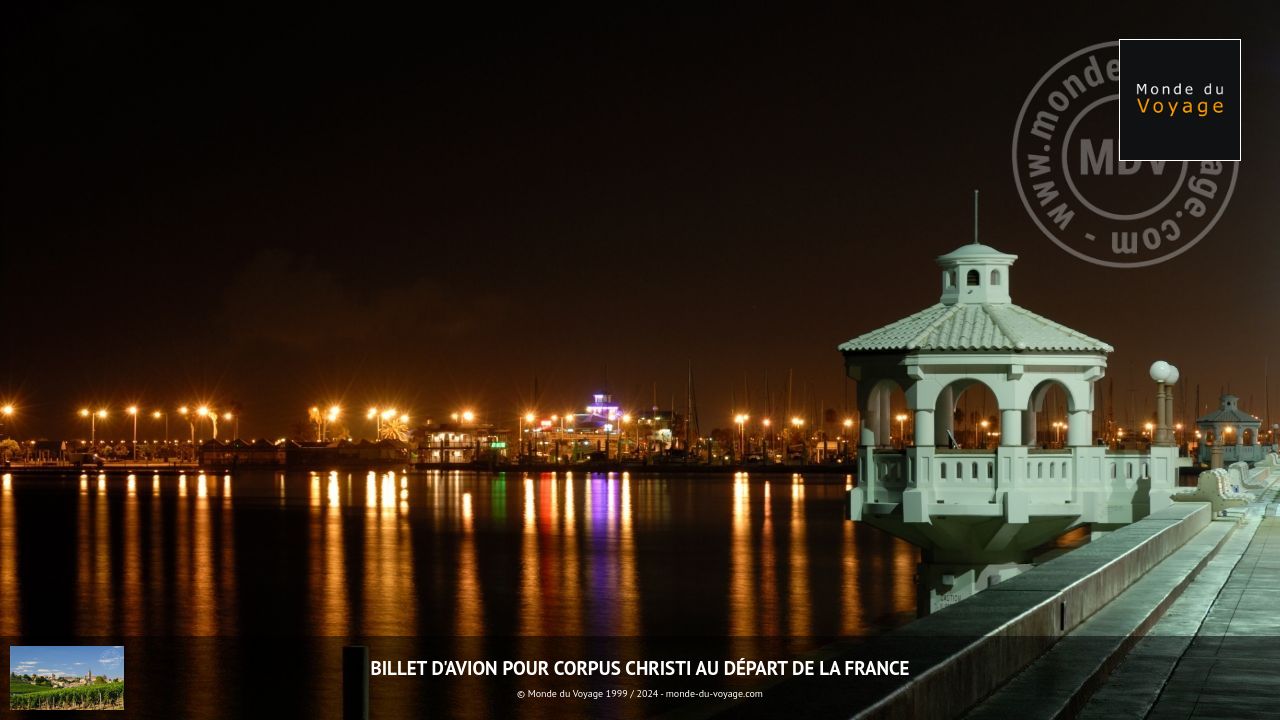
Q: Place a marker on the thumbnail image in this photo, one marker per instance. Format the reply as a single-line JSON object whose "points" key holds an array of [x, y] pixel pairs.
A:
{"points": [[66, 677]]}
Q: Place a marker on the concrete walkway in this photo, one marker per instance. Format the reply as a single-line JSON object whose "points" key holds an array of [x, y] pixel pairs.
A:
{"points": [[1216, 652]]}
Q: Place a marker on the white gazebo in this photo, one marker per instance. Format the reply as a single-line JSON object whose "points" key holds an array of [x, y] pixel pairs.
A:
{"points": [[977, 513], [1232, 432]]}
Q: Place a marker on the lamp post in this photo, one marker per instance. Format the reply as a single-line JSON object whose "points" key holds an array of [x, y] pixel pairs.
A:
{"points": [[204, 412], [186, 414], [7, 412], [902, 428], [768, 439], [1166, 376], [330, 417], [623, 421], [159, 414], [798, 423], [984, 425], [846, 434], [93, 422], [133, 452], [235, 423], [379, 416], [525, 420], [741, 420], [560, 434]]}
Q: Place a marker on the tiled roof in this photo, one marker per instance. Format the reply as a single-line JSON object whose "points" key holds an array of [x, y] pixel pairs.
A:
{"points": [[975, 327], [1227, 414]]}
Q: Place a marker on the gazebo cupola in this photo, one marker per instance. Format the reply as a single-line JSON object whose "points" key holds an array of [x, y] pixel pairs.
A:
{"points": [[977, 274]]}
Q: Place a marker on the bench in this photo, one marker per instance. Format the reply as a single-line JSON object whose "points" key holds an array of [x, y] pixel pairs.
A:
{"points": [[1218, 488]]}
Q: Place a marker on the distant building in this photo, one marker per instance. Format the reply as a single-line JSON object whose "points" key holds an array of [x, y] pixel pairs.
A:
{"points": [[461, 443], [1233, 430], [289, 452], [240, 452], [657, 430]]}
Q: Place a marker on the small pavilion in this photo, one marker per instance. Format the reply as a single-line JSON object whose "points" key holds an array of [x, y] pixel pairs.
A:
{"points": [[1233, 431]]}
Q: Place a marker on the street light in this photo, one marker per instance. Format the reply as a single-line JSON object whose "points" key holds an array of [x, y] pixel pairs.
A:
{"points": [[797, 422], [133, 411], [204, 412], [159, 414], [93, 423], [330, 417], [235, 424], [526, 419], [741, 420], [902, 428], [984, 425], [185, 413], [468, 416], [379, 416], [315, 417]]}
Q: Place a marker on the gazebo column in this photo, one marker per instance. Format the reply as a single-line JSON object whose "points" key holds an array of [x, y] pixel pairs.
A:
{"points": [[884, 433], [1010, 428], [1079, 428], [1029, 426], [943, 418], [869, 411], [924, 427]]}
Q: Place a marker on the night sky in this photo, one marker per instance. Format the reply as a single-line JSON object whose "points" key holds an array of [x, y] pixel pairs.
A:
{"points": [[285, 208]]}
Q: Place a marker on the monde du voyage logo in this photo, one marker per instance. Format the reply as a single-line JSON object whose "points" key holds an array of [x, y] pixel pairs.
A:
{"points": [[1083, 197]]}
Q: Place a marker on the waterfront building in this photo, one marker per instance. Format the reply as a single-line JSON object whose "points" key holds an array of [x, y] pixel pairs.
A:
{"points": [[241, 452], [458, 442]]}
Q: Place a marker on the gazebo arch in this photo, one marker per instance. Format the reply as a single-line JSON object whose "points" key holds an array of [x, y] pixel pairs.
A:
{"points": [[948, 398], [876, 409]]}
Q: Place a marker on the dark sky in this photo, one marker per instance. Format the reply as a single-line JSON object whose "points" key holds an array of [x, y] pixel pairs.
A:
{"points": [[280, 208]]}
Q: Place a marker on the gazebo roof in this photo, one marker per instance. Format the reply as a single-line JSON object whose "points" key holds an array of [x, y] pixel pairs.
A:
{"points": [[1228, 412], [1230, 415], [976, 251], [969, 327]]}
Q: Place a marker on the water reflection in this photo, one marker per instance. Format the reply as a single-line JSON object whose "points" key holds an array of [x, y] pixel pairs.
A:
{"points": [[455, 554], [742, 587], [798, 567], [10, 595], [768, 565]]}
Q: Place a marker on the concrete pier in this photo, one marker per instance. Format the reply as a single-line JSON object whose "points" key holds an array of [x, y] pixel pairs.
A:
{"points": [[1216, 653]]}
